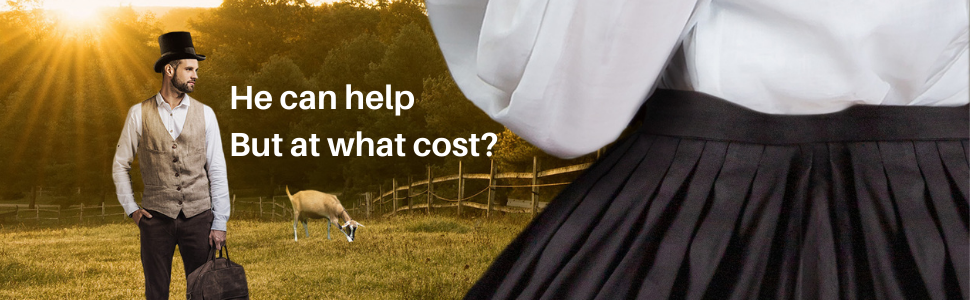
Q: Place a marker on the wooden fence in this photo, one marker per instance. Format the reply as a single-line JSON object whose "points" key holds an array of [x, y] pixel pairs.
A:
{"points": [[274, 208], [270, 208], [419, 196], [80, 213], [392, 202]]}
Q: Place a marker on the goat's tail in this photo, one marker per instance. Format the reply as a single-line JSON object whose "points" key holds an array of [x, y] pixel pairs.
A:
{"points": [[288, 193]]}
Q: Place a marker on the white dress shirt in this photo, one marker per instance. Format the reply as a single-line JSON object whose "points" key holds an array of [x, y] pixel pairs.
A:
{"points": [[568, 75], [173, 119]]}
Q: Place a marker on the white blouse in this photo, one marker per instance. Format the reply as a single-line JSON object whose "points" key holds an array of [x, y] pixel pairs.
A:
{"points": [[568, 75]]}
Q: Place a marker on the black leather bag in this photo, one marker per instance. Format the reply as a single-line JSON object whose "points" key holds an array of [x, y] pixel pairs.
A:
{"points": [[219, 278]]}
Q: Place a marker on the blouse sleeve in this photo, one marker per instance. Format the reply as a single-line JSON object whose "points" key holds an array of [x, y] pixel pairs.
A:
{"points": [[566, 75]]}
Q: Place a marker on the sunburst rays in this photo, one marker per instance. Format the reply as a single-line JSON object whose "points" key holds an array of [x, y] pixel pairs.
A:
{"points": [[70, 84]]}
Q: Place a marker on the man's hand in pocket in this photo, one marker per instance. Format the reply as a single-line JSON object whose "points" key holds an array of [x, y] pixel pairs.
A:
{"points": [[138, 214]]}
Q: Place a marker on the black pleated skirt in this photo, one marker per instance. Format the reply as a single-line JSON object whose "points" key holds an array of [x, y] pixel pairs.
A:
{"points": [[710, 200]]}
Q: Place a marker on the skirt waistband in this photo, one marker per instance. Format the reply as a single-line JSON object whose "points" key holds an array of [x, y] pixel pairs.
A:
{"points": [[698, 115]]}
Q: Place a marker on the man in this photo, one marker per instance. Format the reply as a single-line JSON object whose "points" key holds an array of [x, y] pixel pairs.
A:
{"points": [[186, 197]]}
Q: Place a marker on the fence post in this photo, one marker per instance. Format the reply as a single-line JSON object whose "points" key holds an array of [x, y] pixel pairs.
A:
{"points": [[37, 213], [394, 195], [367, 198], [491, 188], [430, 189], [410, 184], [274, 209], [380, 198], [232, 210], [260, 207], [33, 198], [104, 195], [535, 182], [80, 213], [58, 214], [461, 188]]}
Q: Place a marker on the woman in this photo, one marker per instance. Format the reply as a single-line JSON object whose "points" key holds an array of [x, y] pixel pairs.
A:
{"points": [[793, 149]]}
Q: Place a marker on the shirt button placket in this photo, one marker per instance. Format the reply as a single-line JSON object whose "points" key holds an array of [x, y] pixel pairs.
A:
{"points": [[175, 166]]}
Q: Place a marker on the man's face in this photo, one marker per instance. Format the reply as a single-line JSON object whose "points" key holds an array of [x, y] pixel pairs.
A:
{"points": [[185, 75]]}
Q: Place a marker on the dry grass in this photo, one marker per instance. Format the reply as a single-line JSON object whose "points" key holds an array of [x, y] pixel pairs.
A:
{"points": [[396, 258]]}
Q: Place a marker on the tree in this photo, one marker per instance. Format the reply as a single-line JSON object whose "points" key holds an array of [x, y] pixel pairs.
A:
{"points": [[412, 56], [246, 32], [333, 25], [277, 75], [397, 14], [453, 114], [65, 92]]}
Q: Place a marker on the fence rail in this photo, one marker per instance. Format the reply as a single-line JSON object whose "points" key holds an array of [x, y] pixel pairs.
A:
{"points": [[271, 208], [264, 208], [426, 189], [22, 212]]}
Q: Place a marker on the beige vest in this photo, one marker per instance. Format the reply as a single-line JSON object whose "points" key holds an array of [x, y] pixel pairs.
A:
{"points": [[173, 170]]}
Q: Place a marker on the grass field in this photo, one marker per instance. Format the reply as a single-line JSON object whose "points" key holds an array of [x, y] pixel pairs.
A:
{"points": [[396, 258]]}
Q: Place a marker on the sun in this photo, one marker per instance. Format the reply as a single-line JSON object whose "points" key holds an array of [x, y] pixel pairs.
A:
{"points": [[74, 11], [81, 13]]}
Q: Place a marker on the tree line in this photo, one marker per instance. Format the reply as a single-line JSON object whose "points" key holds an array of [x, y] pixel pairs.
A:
{"points": [[64, 92]]}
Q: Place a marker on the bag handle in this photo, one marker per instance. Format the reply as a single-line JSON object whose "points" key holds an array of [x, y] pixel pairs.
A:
{"points": [[212, 252], [224, 247], [212, 255]]}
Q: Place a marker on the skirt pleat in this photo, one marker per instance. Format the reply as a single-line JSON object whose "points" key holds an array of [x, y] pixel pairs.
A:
{"points": [[515, 262], [684, 217]]}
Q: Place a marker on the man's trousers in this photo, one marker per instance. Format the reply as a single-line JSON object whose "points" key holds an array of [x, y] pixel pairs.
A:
{"points": [[160, 235]]}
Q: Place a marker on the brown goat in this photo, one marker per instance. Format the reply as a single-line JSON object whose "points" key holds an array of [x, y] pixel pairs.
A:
{"points": [[311, 204]]}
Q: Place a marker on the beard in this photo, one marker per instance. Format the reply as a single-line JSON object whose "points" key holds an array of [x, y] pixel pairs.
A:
{"points": [[182, 86]]}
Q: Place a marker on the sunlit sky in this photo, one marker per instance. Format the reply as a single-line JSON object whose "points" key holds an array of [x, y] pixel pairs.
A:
{"points": [[94, 4], [61, 4], [84, 10], [80, 10]]}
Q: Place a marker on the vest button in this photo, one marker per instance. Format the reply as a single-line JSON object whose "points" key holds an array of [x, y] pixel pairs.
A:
{"points": [[180, 202], [178, 188], [176, 174], [174, 146], [175, 160]]}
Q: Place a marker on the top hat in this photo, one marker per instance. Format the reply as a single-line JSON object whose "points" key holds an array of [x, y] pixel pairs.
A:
{"points": [[175, 45]]}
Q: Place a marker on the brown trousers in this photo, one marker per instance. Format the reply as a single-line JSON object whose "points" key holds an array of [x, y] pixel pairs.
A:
{"points": [[159, 236]]}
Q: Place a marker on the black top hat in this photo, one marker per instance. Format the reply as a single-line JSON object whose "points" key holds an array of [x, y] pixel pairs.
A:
{"points": [[175, 45]]}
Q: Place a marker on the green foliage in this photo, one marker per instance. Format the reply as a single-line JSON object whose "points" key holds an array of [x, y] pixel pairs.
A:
{"points": [[412, 56], [277, 75], [64, 93], [333, 26], [513, 150], [347, 63], [249, 31], [366, 46], [397, 14], [453, 115]]}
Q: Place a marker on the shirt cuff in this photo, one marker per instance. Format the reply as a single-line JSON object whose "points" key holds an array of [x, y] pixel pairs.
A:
{"points": [[219, 223], [128, 203]]}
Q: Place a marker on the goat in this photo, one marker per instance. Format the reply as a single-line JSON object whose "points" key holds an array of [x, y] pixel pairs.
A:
{"points": [[315, 205]]}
